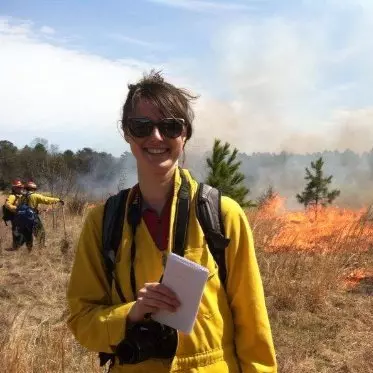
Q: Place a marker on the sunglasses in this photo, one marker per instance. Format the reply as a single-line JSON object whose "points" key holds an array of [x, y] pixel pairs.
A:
{"points": [[168, 127]]}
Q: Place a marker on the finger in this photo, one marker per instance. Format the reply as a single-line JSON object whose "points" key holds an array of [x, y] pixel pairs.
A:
{"points": [[158, 304], [162, 298], [144, 307], [139, 311], [150, 309], [162, 289]]}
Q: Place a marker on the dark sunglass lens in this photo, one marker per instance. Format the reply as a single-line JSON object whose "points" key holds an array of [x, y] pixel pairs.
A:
{"points": [[140, 127], [171, 127]]}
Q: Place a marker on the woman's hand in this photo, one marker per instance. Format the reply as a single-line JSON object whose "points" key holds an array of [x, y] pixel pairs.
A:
{"points": [[151, 298]]}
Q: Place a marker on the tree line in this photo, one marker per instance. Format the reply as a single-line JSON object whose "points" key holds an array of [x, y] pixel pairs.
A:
{"points": [[57, 172], [66, 172]]}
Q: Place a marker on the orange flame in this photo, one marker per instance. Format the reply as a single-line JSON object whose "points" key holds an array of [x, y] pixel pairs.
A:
{"points": [[334, 228]]}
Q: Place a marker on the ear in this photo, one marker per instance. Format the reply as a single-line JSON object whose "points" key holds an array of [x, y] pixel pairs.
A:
{"points": [[184, 139], [126, 135]]}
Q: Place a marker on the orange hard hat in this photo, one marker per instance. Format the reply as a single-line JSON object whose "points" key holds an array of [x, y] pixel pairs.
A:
{"points": [[30, 185], [17, 184]]}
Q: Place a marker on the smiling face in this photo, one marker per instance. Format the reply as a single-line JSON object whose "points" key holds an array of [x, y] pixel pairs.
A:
{"points": [[155, 154]]}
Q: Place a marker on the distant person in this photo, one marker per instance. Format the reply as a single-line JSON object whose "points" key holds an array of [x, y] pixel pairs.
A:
{"points": [[10, 209], [27, 220], [109, 310]]}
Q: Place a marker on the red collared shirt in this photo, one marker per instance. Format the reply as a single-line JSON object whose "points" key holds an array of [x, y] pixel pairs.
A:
{"points": [[158, 225]]}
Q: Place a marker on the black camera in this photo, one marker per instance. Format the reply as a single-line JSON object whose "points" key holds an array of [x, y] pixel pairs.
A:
{"points": [[146, 340]]}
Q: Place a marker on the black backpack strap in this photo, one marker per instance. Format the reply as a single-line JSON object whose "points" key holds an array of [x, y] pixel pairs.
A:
{"points": [[134, 218], [25, 199], [112, 227], [208, 210], [181, 216]]}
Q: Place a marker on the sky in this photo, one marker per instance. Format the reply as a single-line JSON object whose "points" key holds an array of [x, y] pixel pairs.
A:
{"points": [[270, 75]]}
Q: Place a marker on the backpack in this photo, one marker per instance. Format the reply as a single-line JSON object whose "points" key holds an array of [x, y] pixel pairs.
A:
{"points": [[25, 217], [208, 211], [7, 214]]}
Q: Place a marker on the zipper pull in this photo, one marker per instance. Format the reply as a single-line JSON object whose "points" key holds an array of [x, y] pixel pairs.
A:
{"points": [[164, 259]]}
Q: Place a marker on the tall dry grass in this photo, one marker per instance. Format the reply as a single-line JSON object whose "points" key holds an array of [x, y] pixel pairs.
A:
{"points": [[320, 321], [33, 311], [321, 315]]}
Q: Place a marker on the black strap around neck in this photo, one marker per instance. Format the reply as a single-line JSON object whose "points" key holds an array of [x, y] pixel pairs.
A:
{"points": [[134, 218], [181, 216], [180, 223]]}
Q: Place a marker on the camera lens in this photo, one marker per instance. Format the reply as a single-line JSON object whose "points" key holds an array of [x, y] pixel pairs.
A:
{"points": [[127, 352]]}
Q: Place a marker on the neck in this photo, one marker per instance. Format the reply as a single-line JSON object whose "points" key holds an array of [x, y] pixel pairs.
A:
{"points": [[156, 188]]}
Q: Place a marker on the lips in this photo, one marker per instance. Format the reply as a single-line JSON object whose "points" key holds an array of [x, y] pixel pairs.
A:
{"points": [[156, 151]]}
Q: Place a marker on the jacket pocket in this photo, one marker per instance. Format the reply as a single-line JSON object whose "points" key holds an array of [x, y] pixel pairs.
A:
{"points": [[208, 306], [202, 256]]}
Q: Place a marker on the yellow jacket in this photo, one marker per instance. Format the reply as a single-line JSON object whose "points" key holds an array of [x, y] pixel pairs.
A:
{"points": [[12, 202], [34, 199], [232, 332]]}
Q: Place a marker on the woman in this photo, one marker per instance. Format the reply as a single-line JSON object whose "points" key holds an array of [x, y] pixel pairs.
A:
{"points": [[232, 332]]}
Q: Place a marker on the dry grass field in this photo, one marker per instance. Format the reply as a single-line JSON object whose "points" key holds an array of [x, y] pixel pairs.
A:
{"points": [[318, 278]]}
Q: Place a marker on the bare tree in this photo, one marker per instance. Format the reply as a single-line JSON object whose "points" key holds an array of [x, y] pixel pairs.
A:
{"points": [[59, 179]]}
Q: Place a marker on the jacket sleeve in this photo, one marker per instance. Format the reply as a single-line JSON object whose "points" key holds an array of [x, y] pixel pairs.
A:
{"points": [[44, 200], [253, 337], [10, 203], [95, 322]]}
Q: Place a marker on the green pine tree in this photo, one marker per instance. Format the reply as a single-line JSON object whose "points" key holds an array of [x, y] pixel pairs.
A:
{"points": [[224, 174], [316, 192]]}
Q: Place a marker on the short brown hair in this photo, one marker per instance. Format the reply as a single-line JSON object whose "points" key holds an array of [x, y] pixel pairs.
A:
{"points": [[168, 99]]}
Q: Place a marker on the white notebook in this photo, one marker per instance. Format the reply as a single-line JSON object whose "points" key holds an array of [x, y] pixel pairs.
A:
{"points": [[187, 279]]}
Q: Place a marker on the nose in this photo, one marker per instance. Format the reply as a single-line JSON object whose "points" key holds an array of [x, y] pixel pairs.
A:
{"points": [[156, 134]]}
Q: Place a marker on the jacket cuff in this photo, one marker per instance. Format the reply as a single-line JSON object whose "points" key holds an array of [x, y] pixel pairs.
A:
{"points": [[116, 323]]}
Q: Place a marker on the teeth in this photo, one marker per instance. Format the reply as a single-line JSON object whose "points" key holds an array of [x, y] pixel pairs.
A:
{"points": [[156, 151]]}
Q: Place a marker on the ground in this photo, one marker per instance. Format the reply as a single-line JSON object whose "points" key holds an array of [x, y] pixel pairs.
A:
{"points": [[320, 303]]}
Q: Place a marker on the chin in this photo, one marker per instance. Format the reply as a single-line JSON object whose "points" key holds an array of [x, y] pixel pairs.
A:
{"points": [[161, 167]]}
